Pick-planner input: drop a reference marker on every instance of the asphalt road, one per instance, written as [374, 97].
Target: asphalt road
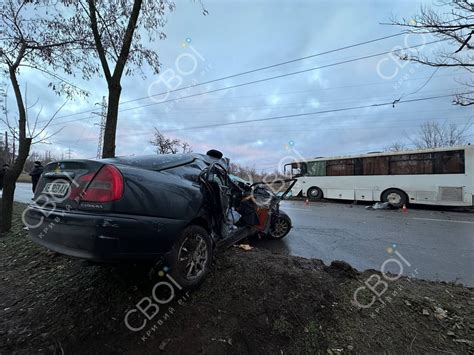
[438, 245]
[23, 192]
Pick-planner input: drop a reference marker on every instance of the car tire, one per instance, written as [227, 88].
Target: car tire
[315, 193]
[190, 258]
[280, 227]
[395, 197]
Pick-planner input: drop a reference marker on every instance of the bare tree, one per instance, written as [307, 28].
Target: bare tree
[457, 28]
[119, 32]
[247, 173]
[186, 147]
[436, 135]
[396, 147]
[164, 145]
[33, 35]
[45, 158]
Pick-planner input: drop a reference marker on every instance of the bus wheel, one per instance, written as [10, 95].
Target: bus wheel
[395, 197]
[315, 193]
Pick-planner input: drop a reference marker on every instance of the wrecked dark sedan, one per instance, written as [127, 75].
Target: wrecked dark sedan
[179, 208]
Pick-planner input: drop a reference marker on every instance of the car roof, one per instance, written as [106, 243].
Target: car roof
[161, 161]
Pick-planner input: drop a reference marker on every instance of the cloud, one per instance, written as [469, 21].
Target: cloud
[238, 37]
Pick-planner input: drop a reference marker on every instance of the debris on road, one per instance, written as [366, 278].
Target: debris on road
[380, 206]
[163, 344]
[225, 341]
[440, 313]
[245, 247]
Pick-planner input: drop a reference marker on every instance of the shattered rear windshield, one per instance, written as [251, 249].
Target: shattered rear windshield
[154, 162]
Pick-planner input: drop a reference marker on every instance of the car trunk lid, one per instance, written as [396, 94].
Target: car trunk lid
[79, 184]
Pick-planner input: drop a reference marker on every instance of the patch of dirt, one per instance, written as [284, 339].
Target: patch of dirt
[253, 302]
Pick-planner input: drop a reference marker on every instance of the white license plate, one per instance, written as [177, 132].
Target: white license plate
[55, 189]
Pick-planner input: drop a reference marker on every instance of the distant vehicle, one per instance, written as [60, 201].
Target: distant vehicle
[441, 176]
[148, 207]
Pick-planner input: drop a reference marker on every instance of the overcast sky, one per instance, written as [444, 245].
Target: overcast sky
[238, 36]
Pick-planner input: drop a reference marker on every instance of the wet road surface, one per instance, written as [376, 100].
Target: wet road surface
[428, 244]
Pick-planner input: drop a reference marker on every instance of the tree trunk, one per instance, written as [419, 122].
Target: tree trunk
[7, 205]
[108, 150]
[9, 184]
[113, 79]
[24, 145]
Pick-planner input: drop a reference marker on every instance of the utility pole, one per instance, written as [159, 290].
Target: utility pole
[69, 152]
[103, 117]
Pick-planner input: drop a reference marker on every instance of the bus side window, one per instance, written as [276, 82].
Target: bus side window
[358, 166]
[411, 164]
[343, 167]
[316, 168]
[450, 162]
[376, 166]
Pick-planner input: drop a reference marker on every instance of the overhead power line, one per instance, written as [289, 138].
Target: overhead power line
[284, 125]
[281, 76]
[234, 123]
[260, 107]
[259, 69]
[254, 70]
[257, 81]
[385, 82]
[367, 125]
[271, 66]
[313, 113]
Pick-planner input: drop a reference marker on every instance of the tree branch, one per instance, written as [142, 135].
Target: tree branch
[465, 42]
[49, 121]
[98, 41]
[128, 37]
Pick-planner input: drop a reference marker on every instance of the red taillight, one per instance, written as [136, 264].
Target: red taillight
[106, 186]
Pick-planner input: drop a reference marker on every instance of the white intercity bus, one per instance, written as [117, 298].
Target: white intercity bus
[440, 176]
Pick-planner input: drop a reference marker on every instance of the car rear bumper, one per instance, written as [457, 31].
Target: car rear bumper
[107, 237]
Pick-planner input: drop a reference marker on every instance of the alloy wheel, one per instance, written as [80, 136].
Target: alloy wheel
[193, 257]
[280, 228]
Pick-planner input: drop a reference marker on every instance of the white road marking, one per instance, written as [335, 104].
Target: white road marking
[443, 220]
